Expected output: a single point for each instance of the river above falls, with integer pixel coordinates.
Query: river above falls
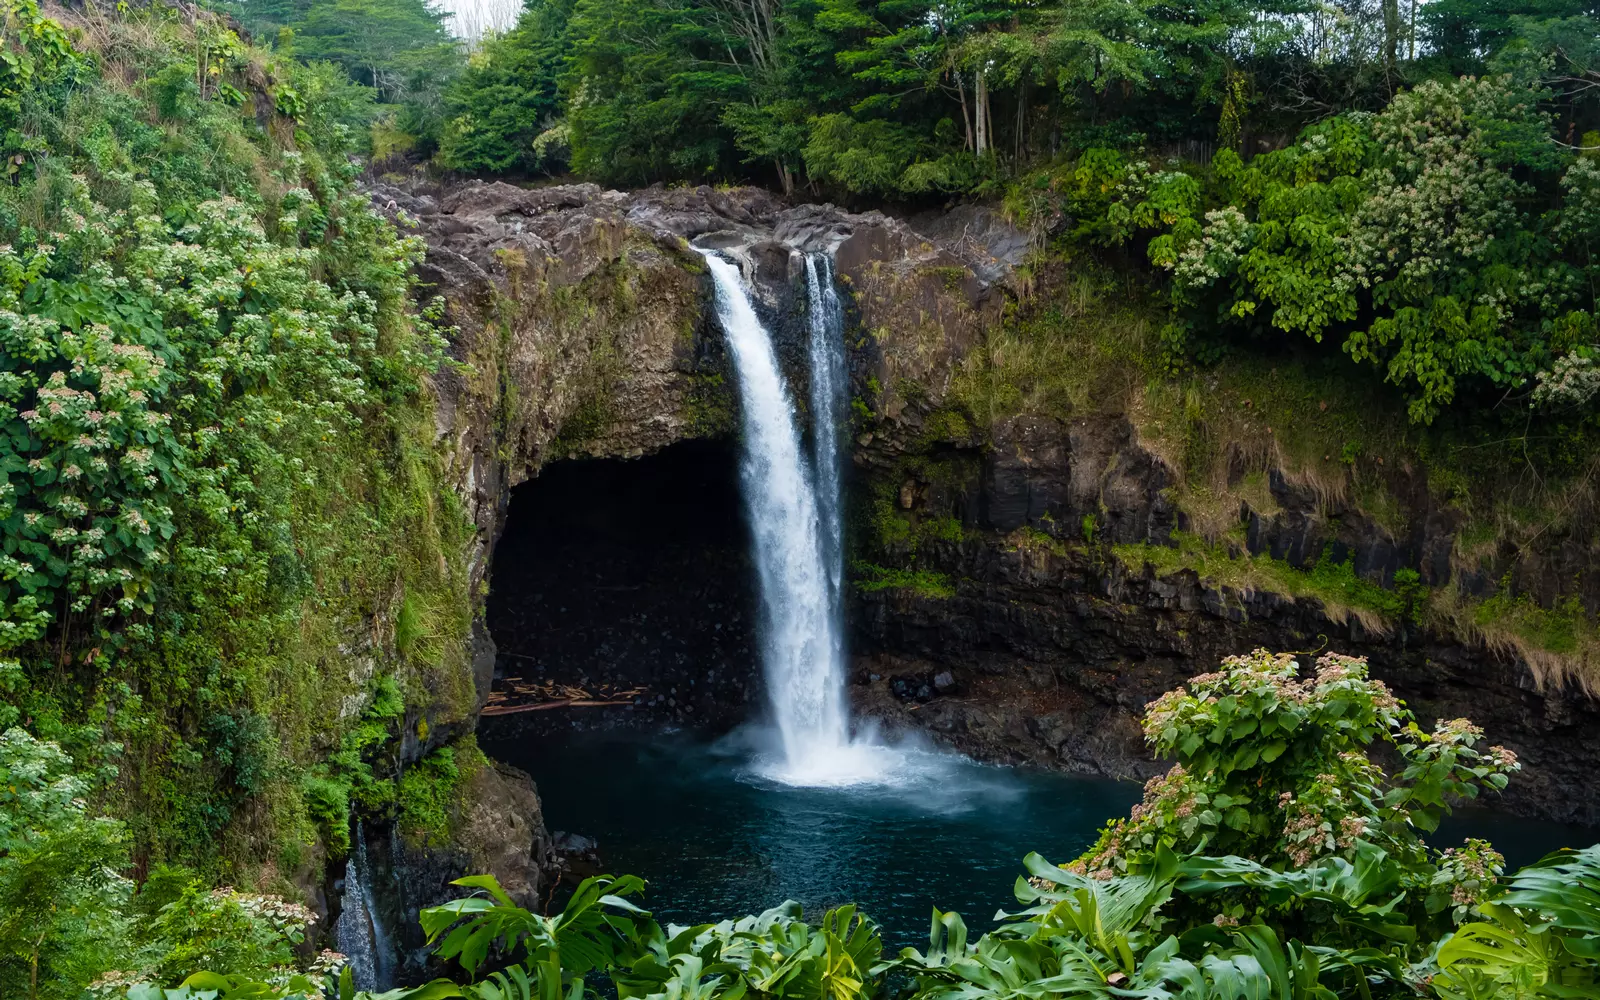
(715, 839)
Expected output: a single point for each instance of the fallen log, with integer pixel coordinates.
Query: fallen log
(503, 709)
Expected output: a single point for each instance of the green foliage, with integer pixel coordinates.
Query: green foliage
(67, 915)
(214, 433)
(647, 82)
(428, 789)
(1542, 938)
(251, 934)
(60, 887)
(1560, 629)
(1339, 580)
(346, 777)
(1348, 233)
(506, 100)
(1335, 584)
(919, 99)
(37, 51)
(400, 49)
(1381, 916)
(1436, 227)
(871, 578)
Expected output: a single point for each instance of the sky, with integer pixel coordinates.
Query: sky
(470, 18)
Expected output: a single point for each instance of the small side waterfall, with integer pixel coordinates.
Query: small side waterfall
(358, 933)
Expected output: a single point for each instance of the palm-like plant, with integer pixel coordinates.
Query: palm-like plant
(598, 929)
(1542, 938)
(1098, 939)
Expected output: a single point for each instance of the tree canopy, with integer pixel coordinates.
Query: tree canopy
(902, 98)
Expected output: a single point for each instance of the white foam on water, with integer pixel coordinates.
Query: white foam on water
(909, 774)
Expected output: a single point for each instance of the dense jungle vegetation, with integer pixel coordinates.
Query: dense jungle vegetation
(219, 464)
(1408, 183)
(218, 475)
(1274, 860)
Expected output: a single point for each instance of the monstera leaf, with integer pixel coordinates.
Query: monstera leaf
(1565, 888)
(596, 926)
(1347, 887)
(1542, 938)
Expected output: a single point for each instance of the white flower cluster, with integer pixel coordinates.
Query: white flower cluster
(285, 917)
(1572, 381)
(1217, 252)
(1437, 204)
(327, 964)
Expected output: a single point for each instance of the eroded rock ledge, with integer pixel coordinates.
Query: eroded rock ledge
(1044, 646)
(582, 315)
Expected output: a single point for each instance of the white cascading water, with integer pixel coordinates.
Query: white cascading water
(798, 545)
(825, 352)
(358, 933)
(799, 647)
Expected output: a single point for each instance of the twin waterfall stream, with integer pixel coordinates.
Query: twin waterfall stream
(796, 521)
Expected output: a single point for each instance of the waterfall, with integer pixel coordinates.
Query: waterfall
(800, 646)
(828, 377)
(793, 503)
(358, 933)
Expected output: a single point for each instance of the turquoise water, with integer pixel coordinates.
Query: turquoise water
(714, 839)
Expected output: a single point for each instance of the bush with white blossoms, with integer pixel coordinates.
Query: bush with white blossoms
(1572, 381)
(1274, 767)
(1467, 876)
(141, 360)
(1444, 240)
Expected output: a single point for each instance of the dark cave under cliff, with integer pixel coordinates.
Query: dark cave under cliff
(626, 580)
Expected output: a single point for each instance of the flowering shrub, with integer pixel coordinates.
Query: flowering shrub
(1571, 382)
(217, 471)
(1273, 767)
(246, 932)
(140, 360)
(1465, 878)
(1421, 239)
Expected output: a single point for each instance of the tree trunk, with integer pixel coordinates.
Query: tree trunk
(981, 102)
(785, 178)
(966, 119)
(988, 117)
(1022, 107)
(1391, 36)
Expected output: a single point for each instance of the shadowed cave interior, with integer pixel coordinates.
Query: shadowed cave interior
(626, 580)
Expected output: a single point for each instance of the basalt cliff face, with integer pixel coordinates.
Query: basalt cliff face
(584, 330)
(581, 329)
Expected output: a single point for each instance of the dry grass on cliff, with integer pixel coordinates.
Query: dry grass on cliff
(1560, 646)
(1223, 431)
(1086, 349)
(1089, 344)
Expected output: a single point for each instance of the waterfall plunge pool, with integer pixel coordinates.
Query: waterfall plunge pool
(714, 839)
(811, 813)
